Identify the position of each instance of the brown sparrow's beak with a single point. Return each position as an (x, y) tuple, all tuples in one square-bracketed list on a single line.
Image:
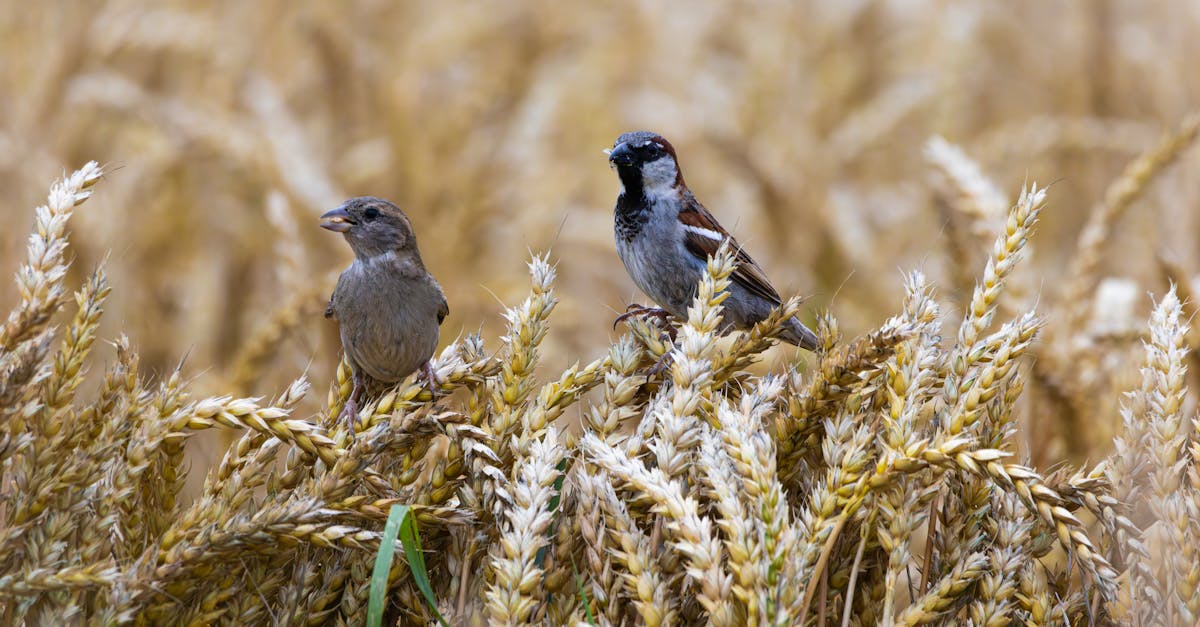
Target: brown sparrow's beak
[(621, 155), (337, 220)]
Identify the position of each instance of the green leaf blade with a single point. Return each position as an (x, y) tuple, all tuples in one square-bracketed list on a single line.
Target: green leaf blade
[(383, 564)]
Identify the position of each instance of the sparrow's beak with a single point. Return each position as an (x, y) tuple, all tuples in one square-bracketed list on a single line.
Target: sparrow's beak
[(621, 155), (337, 220)]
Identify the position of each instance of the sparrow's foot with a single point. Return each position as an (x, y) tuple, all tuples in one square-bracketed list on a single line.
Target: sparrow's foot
[(661, 365), (636, 310), (349, 415), (429, 379)]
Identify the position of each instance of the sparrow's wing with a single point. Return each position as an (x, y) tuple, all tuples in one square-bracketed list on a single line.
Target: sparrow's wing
[(703, 235), (443, 311), (331, 308)]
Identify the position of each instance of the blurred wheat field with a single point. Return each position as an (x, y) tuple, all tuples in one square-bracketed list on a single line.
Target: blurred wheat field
[(992, 355)]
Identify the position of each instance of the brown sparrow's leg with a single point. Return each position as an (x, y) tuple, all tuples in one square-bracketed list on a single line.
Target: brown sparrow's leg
[(429, 378), (350, 411)]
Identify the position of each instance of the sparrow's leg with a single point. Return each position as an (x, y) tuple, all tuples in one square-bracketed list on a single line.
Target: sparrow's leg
[(661, 365), (429, 378), (350, 411), (644, 312)]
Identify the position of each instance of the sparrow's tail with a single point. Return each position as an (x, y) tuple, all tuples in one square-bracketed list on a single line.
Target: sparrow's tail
[(794, 332)]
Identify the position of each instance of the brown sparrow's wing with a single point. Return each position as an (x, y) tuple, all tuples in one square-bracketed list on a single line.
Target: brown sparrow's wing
[(331, 309), (703, 235), (443, 311)]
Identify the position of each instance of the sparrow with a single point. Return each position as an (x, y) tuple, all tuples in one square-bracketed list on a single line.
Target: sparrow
[(665, 236), (387, 305)]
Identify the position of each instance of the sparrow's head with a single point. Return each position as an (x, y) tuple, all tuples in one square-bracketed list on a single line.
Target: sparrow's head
[(372, 226), (646, 159)]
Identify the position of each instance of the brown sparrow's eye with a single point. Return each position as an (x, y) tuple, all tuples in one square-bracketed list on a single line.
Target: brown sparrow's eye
[(371, 213)]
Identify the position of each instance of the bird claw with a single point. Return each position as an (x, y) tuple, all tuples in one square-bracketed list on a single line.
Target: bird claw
[(349, 415), (636, 310), (429, 379), (661, 365)]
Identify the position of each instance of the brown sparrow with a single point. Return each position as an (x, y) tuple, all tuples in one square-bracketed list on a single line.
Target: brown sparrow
[(388, 307)]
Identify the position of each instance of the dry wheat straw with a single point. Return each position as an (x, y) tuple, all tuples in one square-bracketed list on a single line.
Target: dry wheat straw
[(691, 534), (526, 330), (619, 403), (1007, 557), (1153, 406), (837, 373), (1006, 250), (737, 525), (602, 586), (1027, 138), (1084, 274), (777, 579), (643, 581), (976, 196), (516, 588), (945, 592), (39, 280), (1166, 440), (909, 384)]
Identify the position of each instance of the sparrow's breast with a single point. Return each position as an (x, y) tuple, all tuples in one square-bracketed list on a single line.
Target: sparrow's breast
[(389, 323), (659, 265)]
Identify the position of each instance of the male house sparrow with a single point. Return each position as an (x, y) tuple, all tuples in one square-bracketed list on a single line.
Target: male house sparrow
[(388, 307), (665, 236)]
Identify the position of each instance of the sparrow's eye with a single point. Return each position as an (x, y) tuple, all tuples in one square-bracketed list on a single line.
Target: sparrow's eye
[(371, 213)]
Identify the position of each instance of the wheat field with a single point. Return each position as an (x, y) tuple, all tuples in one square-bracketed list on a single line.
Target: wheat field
[(989, 211)]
